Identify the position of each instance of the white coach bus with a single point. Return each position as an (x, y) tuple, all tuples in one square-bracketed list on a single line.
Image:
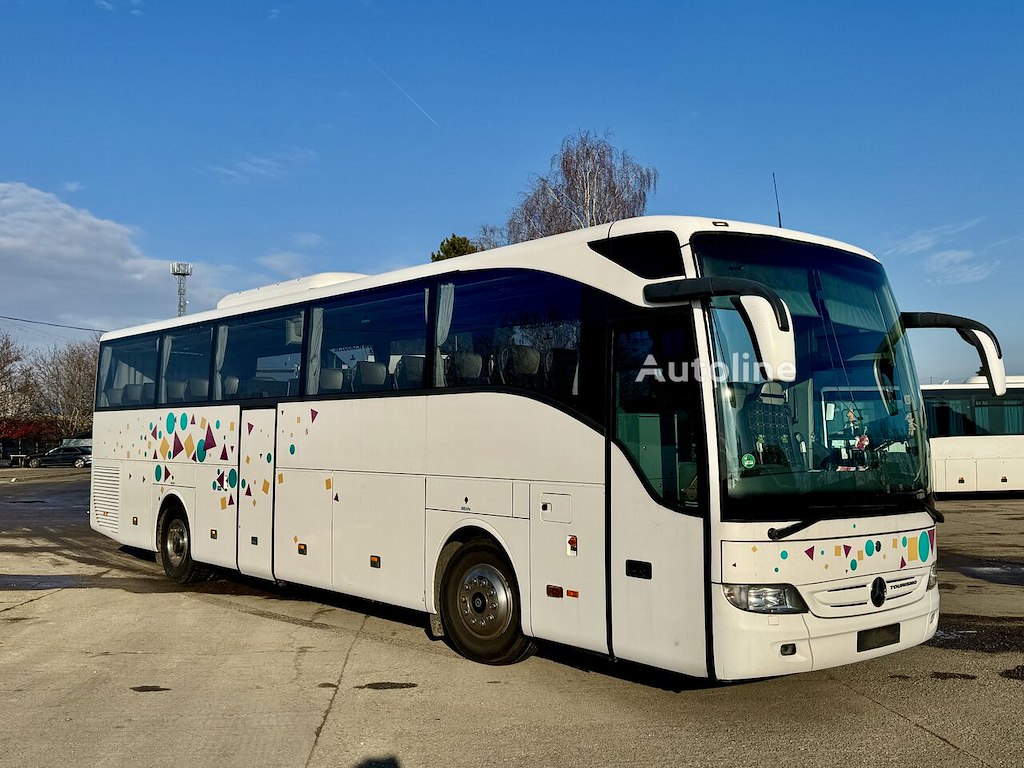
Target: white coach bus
[(977, 441), (693, 444)]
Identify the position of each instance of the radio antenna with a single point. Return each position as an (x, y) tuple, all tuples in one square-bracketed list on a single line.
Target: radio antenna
[(778, 209)]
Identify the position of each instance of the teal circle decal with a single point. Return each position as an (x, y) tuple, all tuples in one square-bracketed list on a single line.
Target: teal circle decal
[(784, 554), (291, 449), (243, 483), (170, 423), (776, 570), (904, 541), (218, 424), (923, 546), (870, 548), (159, 472), (201, 450), (184, 421), (232, 478), (853, 565), (269, 458)]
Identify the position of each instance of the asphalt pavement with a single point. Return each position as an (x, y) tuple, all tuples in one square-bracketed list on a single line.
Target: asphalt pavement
[(103, 662)]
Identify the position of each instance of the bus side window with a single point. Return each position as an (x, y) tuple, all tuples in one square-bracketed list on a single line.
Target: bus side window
[(368, 343), (511, 331)]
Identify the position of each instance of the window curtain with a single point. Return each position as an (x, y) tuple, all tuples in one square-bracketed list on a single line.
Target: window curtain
[(220, 351), (165, 357), (316, 340), (445, 311)]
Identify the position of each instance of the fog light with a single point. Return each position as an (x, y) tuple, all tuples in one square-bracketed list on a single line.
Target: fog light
[(933, 576), (788, 649)]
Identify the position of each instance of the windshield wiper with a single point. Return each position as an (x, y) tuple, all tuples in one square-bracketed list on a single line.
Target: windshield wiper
[(780, 533)]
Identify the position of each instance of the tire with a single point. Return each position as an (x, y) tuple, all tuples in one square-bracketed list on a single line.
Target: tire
[(174, 550), (34, 463), (480, 606), (79, 463)]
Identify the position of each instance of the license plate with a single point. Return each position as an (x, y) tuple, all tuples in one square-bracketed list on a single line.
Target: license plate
[(869, 639)]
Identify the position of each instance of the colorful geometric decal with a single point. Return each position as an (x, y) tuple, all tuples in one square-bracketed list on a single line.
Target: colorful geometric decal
[(871, 555)]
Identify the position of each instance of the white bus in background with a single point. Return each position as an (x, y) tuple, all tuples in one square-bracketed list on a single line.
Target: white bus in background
[(527, 444), (977, 440)]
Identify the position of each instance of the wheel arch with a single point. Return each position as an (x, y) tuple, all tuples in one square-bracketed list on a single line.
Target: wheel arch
[(462, 533), (171, 502)]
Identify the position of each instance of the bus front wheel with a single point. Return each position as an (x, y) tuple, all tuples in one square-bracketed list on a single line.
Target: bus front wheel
[(480, 606), (174, 550)]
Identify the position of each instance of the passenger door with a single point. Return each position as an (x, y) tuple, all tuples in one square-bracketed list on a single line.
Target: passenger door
[(658, 481)]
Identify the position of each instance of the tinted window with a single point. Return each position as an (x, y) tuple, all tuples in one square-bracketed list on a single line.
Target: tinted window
[(950, 417), (258, 356), (650, 255), (185, 368), (999, 416), (369, 343), (127, 372), (657, 406), (518, 332)]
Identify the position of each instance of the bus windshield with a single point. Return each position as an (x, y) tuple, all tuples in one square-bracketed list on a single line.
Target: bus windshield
[(847, 436)]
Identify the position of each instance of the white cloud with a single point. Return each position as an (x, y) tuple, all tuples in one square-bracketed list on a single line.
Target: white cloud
[(263, 167), (926, 239), (62, 264), (957, 267), (72, 186), (307, 239), (106, 6), (286, 264)]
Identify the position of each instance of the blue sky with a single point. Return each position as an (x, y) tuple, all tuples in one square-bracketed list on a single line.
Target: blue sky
[(265, 140)]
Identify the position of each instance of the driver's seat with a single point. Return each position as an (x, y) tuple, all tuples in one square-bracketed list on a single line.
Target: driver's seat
[(769, 418)]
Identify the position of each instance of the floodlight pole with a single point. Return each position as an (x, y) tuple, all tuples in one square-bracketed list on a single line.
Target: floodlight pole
[(181, 270)]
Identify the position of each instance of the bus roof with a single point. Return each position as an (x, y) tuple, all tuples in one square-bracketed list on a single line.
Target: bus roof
[(566, 254), (974, 382)]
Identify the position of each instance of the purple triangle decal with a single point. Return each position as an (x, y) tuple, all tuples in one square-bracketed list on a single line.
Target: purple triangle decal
[(178, 447), (224, 453), (809, 552), (231, 500), (903, 563), (846, 550), (154, 455), (209, 442), (931, 537), (313, 414), (336, 497), (193, 421), (154, 433), (248, 491), (250, 427)]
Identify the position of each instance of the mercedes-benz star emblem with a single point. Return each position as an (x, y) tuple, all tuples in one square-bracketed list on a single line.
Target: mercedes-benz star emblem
[(878, 590)]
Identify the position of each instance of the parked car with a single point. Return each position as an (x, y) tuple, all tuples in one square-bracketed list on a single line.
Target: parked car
[(67, 456)]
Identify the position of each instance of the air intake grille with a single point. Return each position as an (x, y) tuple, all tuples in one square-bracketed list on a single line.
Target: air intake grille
[(852, 597), (106, 497)]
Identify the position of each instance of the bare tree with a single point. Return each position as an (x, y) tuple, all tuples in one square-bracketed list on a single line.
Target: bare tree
[(490, 237), (64, 379), (15, 395), (590, 182)]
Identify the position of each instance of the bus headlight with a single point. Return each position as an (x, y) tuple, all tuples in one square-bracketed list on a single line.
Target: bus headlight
[(765, 598), (933, 576)]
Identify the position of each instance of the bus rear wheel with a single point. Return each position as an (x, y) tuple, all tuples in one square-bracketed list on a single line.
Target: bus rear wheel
[(174, 550), (480, 606)]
